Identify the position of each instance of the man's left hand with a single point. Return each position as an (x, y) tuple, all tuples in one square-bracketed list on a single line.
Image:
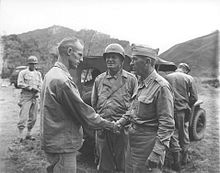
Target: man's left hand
[(154, 160)]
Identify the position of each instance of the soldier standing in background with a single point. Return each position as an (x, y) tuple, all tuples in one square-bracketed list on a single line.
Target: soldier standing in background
[(29, 80), (185, 96), (111, 98)]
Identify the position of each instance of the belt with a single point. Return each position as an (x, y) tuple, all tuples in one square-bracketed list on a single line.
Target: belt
[(144, 127)]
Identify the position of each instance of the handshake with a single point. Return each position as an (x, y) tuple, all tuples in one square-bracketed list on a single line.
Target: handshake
[(33, 89)]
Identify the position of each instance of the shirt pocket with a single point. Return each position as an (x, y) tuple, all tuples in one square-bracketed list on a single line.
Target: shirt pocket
[(27, 77), (145, 107), (103, 91)]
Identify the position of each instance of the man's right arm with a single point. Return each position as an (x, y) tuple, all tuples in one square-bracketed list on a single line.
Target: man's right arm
[(76, 107), (20, 80)]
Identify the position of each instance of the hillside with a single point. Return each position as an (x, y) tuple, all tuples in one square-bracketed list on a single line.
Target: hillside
[(94, 41), (43, 42), (202, 54)]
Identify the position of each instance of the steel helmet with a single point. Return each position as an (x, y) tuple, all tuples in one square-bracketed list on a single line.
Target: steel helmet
[(185, 66), (32, 60), (115, 48)]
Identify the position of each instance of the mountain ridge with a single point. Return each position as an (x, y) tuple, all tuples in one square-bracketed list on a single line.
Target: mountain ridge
[(43, 42), (201, 53)]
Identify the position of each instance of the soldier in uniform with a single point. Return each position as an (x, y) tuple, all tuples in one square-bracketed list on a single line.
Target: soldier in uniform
[(111, 98), (185, 96), (151, 115), (63, 112), (29, 80)]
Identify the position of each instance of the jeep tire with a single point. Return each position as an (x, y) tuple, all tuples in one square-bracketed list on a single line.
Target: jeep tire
[(197, 129)]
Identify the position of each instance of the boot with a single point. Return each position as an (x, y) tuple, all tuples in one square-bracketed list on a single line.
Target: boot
[(28, 136), (176, 165)]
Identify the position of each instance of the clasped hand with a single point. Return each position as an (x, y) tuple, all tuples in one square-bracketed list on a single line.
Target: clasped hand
[(117, 127), (33, 89)]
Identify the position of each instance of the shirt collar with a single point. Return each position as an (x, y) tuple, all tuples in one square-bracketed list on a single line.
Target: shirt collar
[(119, 73), (63, 67), (32, 70), (151, 77)]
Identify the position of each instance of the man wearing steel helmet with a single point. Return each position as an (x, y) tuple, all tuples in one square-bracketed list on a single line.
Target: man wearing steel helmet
[(185, 96), (150, 114), (29, 80), (63, 112), (111, 95)]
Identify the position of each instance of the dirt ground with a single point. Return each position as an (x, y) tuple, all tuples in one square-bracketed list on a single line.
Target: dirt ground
[(27, 157)]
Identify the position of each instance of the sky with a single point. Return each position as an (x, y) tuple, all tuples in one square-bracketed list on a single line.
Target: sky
[(156, 23)]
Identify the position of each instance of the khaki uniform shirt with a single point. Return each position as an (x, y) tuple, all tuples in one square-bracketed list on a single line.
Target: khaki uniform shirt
[(27, 78), (111, 95), (184, 90), (153, 107)]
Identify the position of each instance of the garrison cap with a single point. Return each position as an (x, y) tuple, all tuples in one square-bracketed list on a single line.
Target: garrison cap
[(145, 51)]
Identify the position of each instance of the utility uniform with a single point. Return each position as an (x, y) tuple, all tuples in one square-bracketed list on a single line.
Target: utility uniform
[(111, 98), (185, 96), (152, 123), (28, 98), (63, 113)]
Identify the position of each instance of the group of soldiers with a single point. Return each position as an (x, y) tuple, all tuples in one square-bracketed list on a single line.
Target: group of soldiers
[(137, 117)]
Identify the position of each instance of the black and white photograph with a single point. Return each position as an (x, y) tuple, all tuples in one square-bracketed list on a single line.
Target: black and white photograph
[(109, 86)]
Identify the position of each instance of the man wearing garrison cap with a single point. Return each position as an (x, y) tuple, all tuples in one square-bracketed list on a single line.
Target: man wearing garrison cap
[(150, 114)]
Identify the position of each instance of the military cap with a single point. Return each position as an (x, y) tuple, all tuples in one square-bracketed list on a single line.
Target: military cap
[(115, 48), (145, 51), (184, 65), (32, 60)]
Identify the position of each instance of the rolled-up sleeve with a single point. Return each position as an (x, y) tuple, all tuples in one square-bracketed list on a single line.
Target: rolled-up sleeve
[(76, 107), (165, 112)]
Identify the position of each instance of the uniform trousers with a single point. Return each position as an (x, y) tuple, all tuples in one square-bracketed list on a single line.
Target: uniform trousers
[(61, 162), (28, 112), (141, 142), (110, 149), (182, 129)]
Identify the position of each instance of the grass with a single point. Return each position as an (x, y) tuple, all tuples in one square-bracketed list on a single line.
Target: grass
[(27, 157)]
